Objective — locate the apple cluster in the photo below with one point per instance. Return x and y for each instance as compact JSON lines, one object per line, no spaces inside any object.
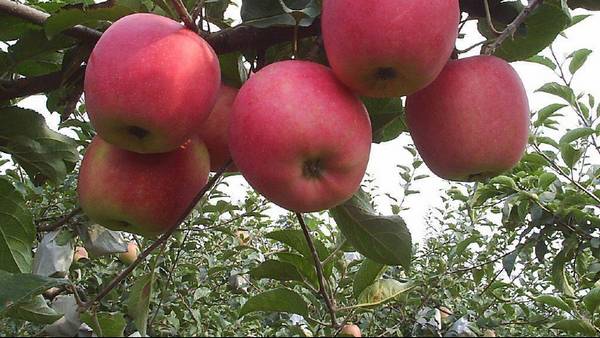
{"x":296,"y":130}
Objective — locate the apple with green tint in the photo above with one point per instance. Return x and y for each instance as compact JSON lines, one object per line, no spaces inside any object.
{"x":472,"y":122}
{"x":389,"y":48}
{"x":299,"y":136}
{"x":140,"y":193}
{"x":150,"y":83}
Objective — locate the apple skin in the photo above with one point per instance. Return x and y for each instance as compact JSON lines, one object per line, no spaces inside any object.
{"x":150,"y":83}
{"x":140,"y":193}
{"x":472,"y":122}
{"x":80,"y":254}
{"x":132,"y":253}
{"x":351,"y":330}
{"x":299,"y":136}
{"x":214,"y":130}
{"x":389,"y":48}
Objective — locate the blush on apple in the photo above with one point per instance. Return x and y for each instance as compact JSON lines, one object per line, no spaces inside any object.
{"x":389,"y":48}
{"x":140,"y":193}
{"x":150,"y":83}
{"x":299,"y":136}
{"x":472,"y":122}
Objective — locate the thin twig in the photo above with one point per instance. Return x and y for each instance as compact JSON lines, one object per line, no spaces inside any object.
{"x":184,"y":15}
{"x":510,"y":30}
{"x":488,"y":16}
{"x":60,"y":222}
{"x":121,"y":276}
{"x":319,"y":267}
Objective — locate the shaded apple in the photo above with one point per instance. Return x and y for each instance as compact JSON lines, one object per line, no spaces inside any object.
{"x":150,"y":83}
{"x":140,"y":193}
{"x":389,"y":48}
{"x":350,"y":330}
{"x":132,"y":253}
{"x":213,"y":131}
{"x":299,"y":136}
{"x":472,"y":122}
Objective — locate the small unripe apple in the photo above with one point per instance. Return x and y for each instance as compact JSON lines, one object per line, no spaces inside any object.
{"x":350,"y":330}
{"x":489,"y":333}
{"x":150,"y":83}
{"x":472,"y":122}
{"x":132,"y":253}
{"x":242,"y":236}
{"x":389,"y":48}
{"x":299,"y":136}
{"x":444,"y":313}
{"x":80,"y":254}
{"x":144,"y":194}
{"x":213,"y":131}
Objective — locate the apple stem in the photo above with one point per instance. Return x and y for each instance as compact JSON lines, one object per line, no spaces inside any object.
{"x":123,"y":274}
{"x":184,"y":15}
{"x":319,"y":266}
{"x":512,"y":27}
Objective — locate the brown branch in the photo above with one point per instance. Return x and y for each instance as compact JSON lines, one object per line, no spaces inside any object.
{"x":38,"y":17}
{"x":184,"y":15}
{"x":510,"y":30}
{"x":11,"y":89}
{"x":121,"y":276}
{"x":60,"y":222}
{"x":319,"y":267}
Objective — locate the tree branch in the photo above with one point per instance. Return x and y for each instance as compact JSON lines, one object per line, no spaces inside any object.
{"x":121,"y":276}
{"x":319,"y":267}
{"x":12,"y":89}
{"x":510,"y":30}
{"x":60,"y":222}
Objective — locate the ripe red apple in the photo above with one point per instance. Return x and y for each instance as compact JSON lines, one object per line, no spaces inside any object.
{"x":132,"y":253}
{"x":389,"y":48}
{"x":140,"y":193}
{"x":299,"y":136}
{"x":213,"y":131}
{"x":472,"y":122}
{"x":351,"y":330}
{"x":150,"y":83}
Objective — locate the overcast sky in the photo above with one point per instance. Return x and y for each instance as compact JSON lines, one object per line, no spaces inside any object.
{"x":385,"y":157}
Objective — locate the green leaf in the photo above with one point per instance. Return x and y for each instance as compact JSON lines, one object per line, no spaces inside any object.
{"x":387,"y":118}
{"x":42,"y":152}
{"x":138,"y":303}
{"x":579,"y":57}
{"x":233,"y":72}
{"x":592,"y":300}
{"x":576,"y":134}
{"x":553,"y":301}
{"x":106,"y":324}
{"x":277,"y":300}
{"x":504,"y":181}
{"x":547,"y":112}
{"x":559,"y":278}
{"x":70,"y":17}
{"x":296,"y":240}
{"x":542,"y":60}
{"x":570,"y":155}
{"x":34,"y":311}
{"x":17,"y":228}
{"x":12,"y":27}
{"x":266,"y":13}
{"x":383,"y":239}
{"x":559,"y":90}
{"x":304,"y":265}
{"x":20,"y":288}
{"x":368,"y":272}
{"x":458,"y":250}
{"x":35,"y":45}
{"x":278,"y":270}
{"x":382,"y":291}
{"x":542,"y":26}
{"x":576,"y":326}
{"x":592,"y":5}
{"x":545,"y":179}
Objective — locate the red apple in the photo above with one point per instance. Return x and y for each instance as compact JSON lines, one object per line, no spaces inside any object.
{"x":389,"y":48}
{"x":472,"y":122}
{"x":140,"y":193}
{"x":132,"y":253}
{"x":299,"y":136}
{"x":150,"y":83}
{"x":351,"y":330}
{"x":214,"y":130}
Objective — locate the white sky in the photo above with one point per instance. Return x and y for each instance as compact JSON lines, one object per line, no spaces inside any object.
{"x":385,"y":157}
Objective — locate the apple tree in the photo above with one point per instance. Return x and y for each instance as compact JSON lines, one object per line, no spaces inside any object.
{"x":513,"y":250}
